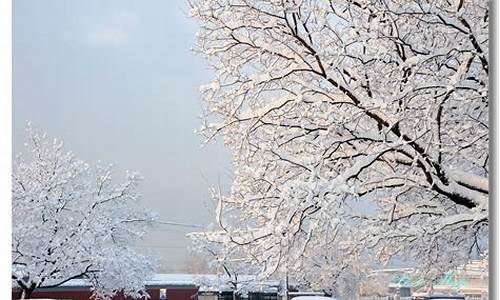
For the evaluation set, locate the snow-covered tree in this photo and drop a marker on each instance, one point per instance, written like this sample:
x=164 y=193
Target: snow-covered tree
x=72 y=221
x=358 y=128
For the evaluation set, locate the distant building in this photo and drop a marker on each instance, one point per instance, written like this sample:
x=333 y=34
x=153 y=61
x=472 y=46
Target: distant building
x=470 y=280
x=171 y=287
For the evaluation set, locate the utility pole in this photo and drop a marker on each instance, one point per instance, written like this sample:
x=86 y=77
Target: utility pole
x=286 y=285
x=285 y=292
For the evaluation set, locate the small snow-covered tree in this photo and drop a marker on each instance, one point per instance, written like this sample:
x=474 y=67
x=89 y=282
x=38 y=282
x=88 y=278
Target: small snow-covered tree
x=71 y=221
x=359 y=129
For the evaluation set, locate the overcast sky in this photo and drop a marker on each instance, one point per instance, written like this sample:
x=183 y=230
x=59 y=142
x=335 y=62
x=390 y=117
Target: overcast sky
x=117 y=81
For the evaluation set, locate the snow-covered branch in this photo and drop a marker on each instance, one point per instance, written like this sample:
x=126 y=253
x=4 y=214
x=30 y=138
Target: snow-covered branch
x=346 y=117
x=70 y=221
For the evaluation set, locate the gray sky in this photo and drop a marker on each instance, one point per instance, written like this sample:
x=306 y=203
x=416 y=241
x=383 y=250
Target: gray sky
x=117 y=81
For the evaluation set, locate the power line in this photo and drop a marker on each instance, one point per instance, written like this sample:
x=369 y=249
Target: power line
x=180 y=224
x=160 y=247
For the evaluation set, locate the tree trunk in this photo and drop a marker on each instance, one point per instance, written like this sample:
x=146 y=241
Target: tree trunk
x=26 y=294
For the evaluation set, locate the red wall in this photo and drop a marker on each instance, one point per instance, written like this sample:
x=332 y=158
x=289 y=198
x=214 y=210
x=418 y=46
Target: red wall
x=84 y=294
x=75 y=295
x=178 y=294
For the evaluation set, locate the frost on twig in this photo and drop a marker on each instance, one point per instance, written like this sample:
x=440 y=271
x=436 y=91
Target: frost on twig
x=359 y=130
x=71 y=221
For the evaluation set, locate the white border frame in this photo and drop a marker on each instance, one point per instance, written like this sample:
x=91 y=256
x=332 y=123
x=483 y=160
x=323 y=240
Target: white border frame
x=5 y=144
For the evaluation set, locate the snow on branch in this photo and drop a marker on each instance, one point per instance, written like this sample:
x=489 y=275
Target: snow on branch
x=71 y=221
x=355 y=126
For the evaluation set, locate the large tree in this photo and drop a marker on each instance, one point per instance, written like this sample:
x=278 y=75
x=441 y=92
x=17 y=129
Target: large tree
x=358 y=128
x=72 y=221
